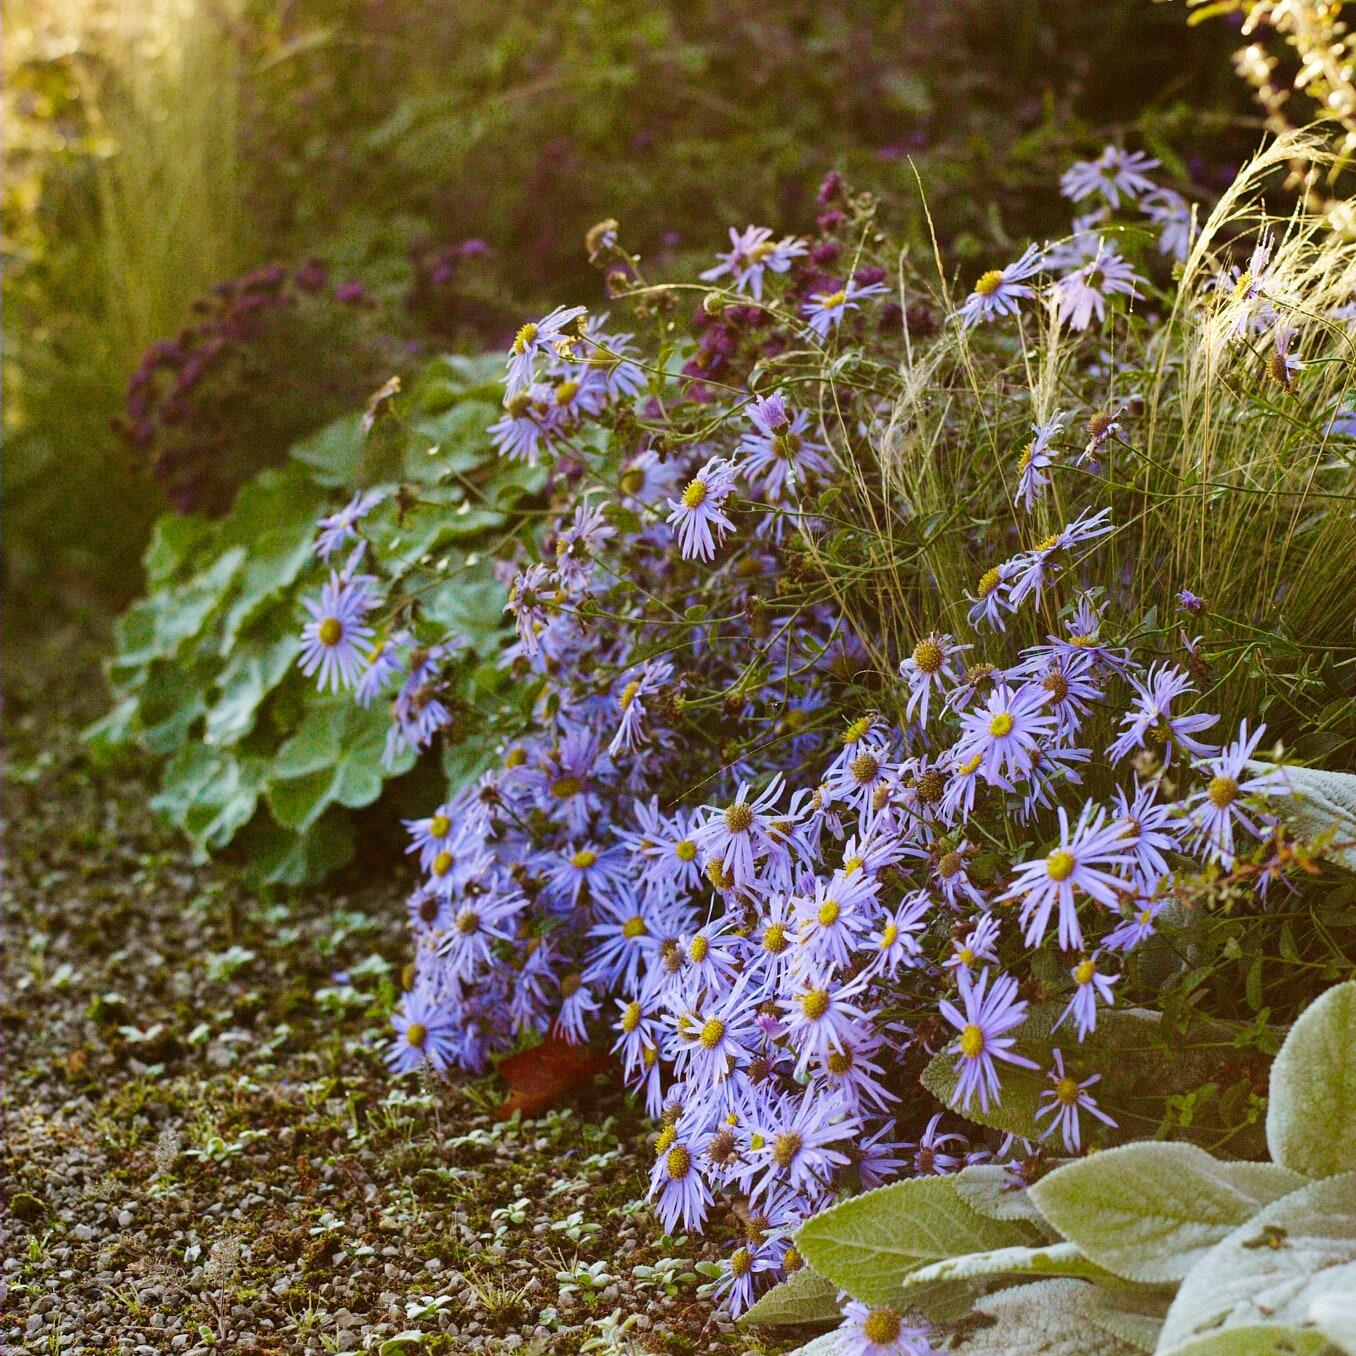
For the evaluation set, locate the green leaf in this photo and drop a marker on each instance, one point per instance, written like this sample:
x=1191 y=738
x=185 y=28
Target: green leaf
x=278 y=856
x=156 y=627
x=1148 y=1211
x=1311 y=1108
x=805 y=1297
x=1056 y=1259
x=1323 y=801
x=1042 y=1318
x=867 y=1245
x=209 y=793
x=1253 y=1291
x=334 y=456
x=175 y=539
x=1335 y=1316
x=334 y=756
x=254 y=669
x=170 y=701
x=401 y=1342
x=988 y=1188
x=1108 y=1310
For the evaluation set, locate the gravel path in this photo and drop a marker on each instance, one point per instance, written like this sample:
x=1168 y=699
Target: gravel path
x=203 y=1151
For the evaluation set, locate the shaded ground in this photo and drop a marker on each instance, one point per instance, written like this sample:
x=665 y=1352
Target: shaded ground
x=203 y=1150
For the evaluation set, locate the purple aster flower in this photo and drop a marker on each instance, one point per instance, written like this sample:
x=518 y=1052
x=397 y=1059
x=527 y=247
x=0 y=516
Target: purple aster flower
x=1084 y=292
x=1114 y=174
x=736 y=1287
x=796 y=1142
x=426 y=1032
x=684 y=1197
x=710 y=1041
x=1151 y=718
x=585 y=873
x=610 y=356
x=1036 y=459
x=989 y=1014
x=1006 y=732
x=740 y=833
x=419 y=714
x=778 y=454
x=1171 y=213
x=998 y=291
x=896 y=944
x=342 y=526
x=698 y=511
x=579 y=545
x=643 y=682
x=577 y=1005
x=333 y=640
x=482 y=919
x=628 y=932
x=878 y=1330
x=854 y=1074
x=1137 y=928
x=384 y=666
x=829 y=925
x=977 y=945
x=1216 y=811
x=819 y=1020
x=1089 y=985
x=990 y=599
x=532 y=596
x=523 y=431
x=432 y=836
x=928 y=670
x=1148 y=829
x=1077 y=864
x=825 y=310
x=932 y=1156
x=752 y=254
x=536 y=337
x=1067 y=1098
x=667 y=852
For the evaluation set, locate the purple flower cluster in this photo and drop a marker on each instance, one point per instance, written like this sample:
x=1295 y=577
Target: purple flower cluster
x=744 y=920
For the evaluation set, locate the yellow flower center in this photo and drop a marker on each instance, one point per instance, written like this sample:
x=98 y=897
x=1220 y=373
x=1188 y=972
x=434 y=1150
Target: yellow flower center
x=330 y=631
x=679 y=1163
x=829 y=300
x=629 y=693
x=712 y=1033
x=515 y=757
x=1066 y=1090
x=584 y=858
x=1222 y=792
x=416 y=1034
x=774 y=939
x=852 y=864
x=970 y=766
x=1059 y=865
x=468 y=921
x=566 y=392
x=524 y=338
x=785 y=1148
x=792 y=1261
x=864 y=768
x=1057 y=685
x=815 y=1003
x=988 y=581
x=565 y=787
x=829 y=911
x=438 y=826
x=989 y=282
x=631 y=1017
x=717 y=874
x=1085 y=971
x=971 y=1041
x=1243 y=284
x=700 y=948
x=1048 y=544
x=695 y=494
x=857 y=730
x=666 y=1137
x=741 y=1262
x=569 y=985
x=738 y=818
x=635 y=927
x=966 y=955
x=1001 y=724
x=928 y=656
x=882 y=1326
x=761 y=252
x=686 y=850
x=840 y=1062
x=442 y=864
x=889 y=936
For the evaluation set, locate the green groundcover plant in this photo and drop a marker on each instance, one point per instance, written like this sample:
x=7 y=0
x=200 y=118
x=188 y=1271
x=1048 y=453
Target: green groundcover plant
x=205 y=675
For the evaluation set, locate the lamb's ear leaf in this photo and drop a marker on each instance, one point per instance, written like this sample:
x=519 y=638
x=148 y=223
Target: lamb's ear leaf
x=868 y=1244
x=1112 y=1312
x=1149 y=1211
x=1058 y=1259
x=1335 y=1316
x=1311 y=1109
x=1254 y=1293
x=990 y=1189
x=804 y=1297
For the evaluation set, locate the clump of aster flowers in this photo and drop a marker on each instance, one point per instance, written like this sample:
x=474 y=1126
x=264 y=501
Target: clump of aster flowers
x=773 y=878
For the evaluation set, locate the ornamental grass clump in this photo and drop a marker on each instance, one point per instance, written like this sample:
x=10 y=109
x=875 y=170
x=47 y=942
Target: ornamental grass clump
x=866 y=739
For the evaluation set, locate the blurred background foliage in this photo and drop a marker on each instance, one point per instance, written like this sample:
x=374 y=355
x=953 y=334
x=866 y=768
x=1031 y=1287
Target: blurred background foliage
x=225 y=220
